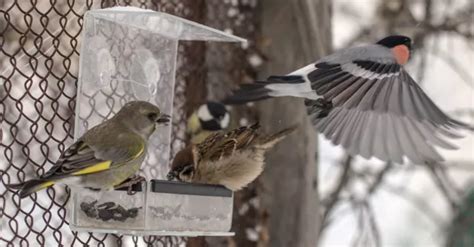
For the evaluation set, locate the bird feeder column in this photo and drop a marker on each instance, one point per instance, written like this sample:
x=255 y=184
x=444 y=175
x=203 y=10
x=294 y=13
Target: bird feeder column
x=130 y=54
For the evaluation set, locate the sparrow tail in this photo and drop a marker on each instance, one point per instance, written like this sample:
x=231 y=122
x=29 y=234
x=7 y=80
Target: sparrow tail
x=274 y=86
x=30 y=187
x=270 y=141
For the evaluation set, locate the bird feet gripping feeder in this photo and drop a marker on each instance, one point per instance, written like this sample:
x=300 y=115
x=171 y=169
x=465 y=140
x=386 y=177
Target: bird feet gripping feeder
x=130 y=54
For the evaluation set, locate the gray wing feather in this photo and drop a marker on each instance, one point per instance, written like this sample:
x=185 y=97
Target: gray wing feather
x=382 y=98
x=407 y=145
x=394 y=102
x=392 y=143
x=382 y=135
x=334 y=125
x=344 y=127
x=354 y=144
x=366 y=138
x=421 y=143
x=357 y=97
x=379 y=137
x=432 y=134
x=368 y=100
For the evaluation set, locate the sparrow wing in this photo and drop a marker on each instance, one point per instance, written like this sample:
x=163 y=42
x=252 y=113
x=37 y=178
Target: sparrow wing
x=222 y=144
x=84 y=157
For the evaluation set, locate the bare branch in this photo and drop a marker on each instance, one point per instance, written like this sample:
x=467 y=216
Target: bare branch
x=333 y=198
x=379 y=178
x=373 y=225
x=448 y=189
x=360 y=224
x=368 y=230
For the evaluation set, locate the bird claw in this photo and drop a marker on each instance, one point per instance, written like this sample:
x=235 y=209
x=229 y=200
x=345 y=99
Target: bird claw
x=130 y=182
x=320 y=107
x=323 y=104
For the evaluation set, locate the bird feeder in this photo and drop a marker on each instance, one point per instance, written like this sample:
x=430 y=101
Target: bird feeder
x=130 y=54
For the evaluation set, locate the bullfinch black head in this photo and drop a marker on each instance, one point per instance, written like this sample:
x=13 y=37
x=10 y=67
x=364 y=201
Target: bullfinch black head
x=395 y=40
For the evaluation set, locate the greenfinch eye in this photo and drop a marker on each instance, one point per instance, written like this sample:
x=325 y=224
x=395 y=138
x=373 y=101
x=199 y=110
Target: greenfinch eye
x=152 y=116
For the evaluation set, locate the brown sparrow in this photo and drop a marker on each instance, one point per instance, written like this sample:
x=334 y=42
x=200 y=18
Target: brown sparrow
x=232 y=159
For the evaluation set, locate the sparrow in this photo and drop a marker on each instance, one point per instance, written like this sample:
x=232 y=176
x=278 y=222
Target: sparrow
x=104 y=156
x=209 y=117
x=232 y=159
x=363 y=99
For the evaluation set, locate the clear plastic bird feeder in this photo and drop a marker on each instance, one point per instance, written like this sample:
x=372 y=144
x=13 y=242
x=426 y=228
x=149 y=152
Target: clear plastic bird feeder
x=130 y=54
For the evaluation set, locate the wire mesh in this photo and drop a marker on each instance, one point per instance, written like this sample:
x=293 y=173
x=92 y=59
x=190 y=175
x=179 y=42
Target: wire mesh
x=39 y=49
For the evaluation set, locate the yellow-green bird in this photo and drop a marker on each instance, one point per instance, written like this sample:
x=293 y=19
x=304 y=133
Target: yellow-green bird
x=106 y=155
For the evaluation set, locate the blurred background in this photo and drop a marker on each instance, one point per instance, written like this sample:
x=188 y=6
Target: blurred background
x=312 y=193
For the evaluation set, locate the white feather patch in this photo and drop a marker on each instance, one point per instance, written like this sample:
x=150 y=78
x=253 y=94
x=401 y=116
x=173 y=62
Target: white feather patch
x=224 y=123
x=305 y=70
x=360 y=72
x=203 y=113
x=300 y=90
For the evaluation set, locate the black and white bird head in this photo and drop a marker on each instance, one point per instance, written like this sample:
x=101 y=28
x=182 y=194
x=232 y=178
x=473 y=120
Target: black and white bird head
x=212 y=116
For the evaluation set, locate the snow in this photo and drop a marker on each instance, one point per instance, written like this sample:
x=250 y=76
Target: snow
x=255 y=60
x=243 y=122
x=252 y=234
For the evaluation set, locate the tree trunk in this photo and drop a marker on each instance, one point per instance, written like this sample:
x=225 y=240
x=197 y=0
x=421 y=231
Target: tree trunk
x=297 y=33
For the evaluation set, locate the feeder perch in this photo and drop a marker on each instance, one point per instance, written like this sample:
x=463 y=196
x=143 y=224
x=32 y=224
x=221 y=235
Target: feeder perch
x=130 y=54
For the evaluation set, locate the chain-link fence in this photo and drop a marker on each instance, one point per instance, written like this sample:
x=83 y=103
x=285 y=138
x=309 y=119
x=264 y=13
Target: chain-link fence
x=39 y=53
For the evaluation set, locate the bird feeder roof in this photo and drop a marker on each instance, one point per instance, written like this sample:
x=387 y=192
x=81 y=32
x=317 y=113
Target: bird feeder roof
x=164 y=24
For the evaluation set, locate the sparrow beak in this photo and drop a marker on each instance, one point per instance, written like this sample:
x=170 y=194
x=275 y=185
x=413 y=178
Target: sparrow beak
x=171 y=175
x=164 y=119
